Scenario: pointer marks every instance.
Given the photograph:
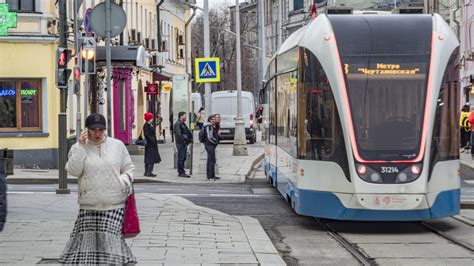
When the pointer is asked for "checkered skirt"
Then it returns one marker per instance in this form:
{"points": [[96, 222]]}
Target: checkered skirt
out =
{"points": [[97, 239]]}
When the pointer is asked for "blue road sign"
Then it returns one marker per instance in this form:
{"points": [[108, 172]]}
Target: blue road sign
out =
{"points": [[87, 21], [207, 69]]}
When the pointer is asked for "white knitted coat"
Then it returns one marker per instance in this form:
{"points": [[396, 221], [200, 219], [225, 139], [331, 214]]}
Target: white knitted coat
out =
{"points": [[103, 172]]}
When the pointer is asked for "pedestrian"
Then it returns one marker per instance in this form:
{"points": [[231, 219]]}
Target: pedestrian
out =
{"points": [[465, 128], [200, 118], [182, 137], [152, 155], [3, 194], [105, 171], [259, 116], [471, 121], [210, 143], [217, 125]]}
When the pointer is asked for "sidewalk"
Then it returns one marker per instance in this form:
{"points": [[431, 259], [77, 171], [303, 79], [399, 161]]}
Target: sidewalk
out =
{"points": [[467, 165], [232, 169], [174, 232]]}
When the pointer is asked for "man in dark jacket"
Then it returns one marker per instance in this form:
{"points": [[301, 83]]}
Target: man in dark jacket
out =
{"points": [[3, 194], [182, 137], [211, 142]]}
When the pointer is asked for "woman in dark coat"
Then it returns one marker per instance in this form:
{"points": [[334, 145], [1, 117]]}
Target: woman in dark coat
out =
{"points": [[152, 155]]}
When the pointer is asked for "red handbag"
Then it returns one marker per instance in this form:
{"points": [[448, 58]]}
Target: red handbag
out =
{"points": [[131, 222]]}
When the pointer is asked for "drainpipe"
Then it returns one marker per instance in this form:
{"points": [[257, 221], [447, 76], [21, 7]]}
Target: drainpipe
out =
{"points": [[458, 28], [158, 20], [186, 40]]}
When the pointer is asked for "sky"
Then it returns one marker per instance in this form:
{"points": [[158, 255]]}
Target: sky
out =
{"points": [[212, 3]]}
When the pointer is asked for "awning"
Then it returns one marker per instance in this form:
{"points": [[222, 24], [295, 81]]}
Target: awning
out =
{"points": [[134, 55], [163, 76]]}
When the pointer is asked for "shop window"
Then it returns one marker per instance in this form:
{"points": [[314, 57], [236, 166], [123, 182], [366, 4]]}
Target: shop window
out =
{"points": [[20, 105], [21, 5]]}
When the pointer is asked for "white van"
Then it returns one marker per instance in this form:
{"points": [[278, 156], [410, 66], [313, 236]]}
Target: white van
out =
{"points": [[225, 104]]}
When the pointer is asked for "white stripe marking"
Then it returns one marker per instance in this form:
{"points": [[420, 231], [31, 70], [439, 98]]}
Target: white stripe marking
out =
{"points": [[470, 182]]}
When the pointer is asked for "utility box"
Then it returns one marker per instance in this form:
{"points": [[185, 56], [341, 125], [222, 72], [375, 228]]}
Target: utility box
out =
{"points": [[6, 156]]}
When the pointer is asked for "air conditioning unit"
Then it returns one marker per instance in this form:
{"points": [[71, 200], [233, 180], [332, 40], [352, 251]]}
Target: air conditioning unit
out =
{"points": [[157, 60], [180, 53], [409, 10], [133, 35], [339, 10], [164, 46], [180, 39]]}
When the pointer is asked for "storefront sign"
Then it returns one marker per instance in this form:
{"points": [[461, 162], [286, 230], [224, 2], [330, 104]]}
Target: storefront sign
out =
{"points": [[166, 88], [28, 92], [152, 88], [7, 92], [7, 20]]}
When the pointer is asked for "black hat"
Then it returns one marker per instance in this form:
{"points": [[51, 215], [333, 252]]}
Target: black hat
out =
{"points": [[95, 121]]}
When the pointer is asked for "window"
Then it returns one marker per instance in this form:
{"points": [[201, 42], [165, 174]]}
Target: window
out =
{"points": [[21, 5], [20, 105], [445, 140], [320, 135], [298, 4]]}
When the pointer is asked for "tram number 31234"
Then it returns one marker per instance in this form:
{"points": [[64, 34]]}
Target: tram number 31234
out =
{"points": [[389, 169]]}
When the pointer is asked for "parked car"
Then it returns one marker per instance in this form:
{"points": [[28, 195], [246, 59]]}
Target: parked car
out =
{"points": [[225, 104]]}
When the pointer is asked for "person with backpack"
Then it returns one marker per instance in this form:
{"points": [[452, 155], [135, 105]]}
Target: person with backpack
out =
{"points": [[471, 121], [465, 128], [210, 138]]}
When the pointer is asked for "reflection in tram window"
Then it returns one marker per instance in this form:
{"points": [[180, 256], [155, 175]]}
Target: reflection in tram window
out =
{"points": [[444, 145], [384, 127], [320, 135]]}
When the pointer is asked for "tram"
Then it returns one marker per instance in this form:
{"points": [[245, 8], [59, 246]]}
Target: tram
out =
{"points": [[362, 113]]}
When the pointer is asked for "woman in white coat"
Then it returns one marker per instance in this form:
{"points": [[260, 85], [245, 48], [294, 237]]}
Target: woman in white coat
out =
{"points": [[105, 171]]}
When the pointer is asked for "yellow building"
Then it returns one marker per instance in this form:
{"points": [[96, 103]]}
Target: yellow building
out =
{"points": [[29, 99]]}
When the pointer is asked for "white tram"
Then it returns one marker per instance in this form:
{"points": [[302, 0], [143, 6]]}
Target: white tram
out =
{"points": [[362, 118]]}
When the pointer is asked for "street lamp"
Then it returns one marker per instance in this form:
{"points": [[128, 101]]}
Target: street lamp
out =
{"points": [[240, 142]]}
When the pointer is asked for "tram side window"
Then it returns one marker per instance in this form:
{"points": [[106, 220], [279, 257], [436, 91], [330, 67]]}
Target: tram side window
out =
{"points": [[444, 145], [271, 132], [320, 135], [286, 112]]}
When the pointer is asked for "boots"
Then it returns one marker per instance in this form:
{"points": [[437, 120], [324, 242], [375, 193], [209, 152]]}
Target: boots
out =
{"points": [[148, 170]]}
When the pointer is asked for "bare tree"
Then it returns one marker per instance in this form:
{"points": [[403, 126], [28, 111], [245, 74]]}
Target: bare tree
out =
{"points": [[222, 45]]}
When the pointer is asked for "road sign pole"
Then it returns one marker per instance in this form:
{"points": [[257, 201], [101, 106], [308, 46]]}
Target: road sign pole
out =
{"points": [[109, 67], [240, 142], [86, 87], [207, 54], [78, 54]]}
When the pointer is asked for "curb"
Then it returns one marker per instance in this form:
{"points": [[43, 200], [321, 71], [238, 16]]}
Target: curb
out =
{"points": [[48, 180], [467, 204], [256, 160]]}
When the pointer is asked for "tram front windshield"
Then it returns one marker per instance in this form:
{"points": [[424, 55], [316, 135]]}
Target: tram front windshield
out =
{"points": [[387, 96]]}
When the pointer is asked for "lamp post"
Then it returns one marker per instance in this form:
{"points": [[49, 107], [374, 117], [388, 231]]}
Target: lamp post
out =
{"points": [[240, 142]]}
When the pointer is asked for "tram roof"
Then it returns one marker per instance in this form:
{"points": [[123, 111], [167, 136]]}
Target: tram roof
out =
{"points": [[303, 35]]}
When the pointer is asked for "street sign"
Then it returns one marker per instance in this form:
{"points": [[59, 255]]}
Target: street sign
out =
{"points": [[207, 69], [87, 22], [118, 19], [7, 19], [151, 88]]}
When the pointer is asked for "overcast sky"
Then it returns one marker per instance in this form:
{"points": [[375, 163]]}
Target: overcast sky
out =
{"points": [[212, 3]]}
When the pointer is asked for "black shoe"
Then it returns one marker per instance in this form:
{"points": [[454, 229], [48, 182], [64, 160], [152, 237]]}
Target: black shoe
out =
{"points": [[184, 175], [216, 178], [146, 174], [152, 175]]}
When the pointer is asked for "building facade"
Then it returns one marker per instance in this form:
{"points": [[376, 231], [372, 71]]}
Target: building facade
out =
{"points": [[29, 99]]}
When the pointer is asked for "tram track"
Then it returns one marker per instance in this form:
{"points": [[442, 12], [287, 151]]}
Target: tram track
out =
{"points": [[446, 236], [352, 248]]}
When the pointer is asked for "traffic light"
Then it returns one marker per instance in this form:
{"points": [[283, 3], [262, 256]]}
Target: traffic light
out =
{"points": [[63, 55], [87, 57]]}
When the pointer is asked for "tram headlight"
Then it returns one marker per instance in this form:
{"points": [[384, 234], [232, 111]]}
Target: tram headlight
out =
{"points": [[409, 174], [368, 174]]}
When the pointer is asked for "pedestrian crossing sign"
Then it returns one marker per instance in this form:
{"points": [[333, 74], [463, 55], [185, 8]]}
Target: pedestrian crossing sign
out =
{"points": [[207, 69]]}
